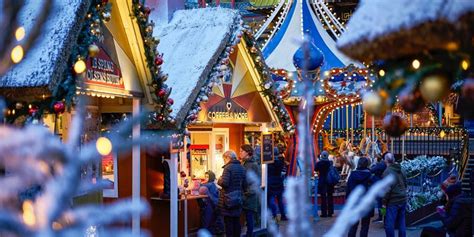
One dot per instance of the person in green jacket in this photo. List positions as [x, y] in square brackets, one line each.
[396, 198]
[250, 206]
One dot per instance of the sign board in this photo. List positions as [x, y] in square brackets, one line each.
[104, 69]
[267, 155]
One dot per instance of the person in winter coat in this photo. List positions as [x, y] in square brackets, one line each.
[210, 215]
[458, 215]
[234, 183]
[360, 176]
[250, 206]
[324, 188]
[377, 170]
[396, 198]
[275, 185]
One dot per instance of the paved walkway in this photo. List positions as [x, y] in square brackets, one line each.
[376, 229]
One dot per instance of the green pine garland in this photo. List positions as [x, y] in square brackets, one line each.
[160, 118]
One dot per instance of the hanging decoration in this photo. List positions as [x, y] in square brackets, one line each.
[394, 125]
[160, 117]
[99, 12]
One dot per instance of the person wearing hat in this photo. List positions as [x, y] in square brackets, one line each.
[325, 189]
[275, 185]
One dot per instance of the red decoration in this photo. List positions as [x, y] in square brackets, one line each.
[32, 110]
[170, 101]
[147, 11]
[394, 125]
[59, 107]
[161, 93]
[182, 174]
[158, 60]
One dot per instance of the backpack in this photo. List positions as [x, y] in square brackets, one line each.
[333, 176]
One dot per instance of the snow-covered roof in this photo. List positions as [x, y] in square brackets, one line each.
[374, 19]
[191, 44]
[45, 62]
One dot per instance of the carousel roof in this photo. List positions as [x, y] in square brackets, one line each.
[191, 44]
[385, 29]
[44, 64]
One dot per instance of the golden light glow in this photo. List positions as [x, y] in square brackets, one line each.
[28, 213]
[104, 146]
[20, 33]
[79, 66]
[381, 73]
[465, 64]
[415, 64]
[17, 54]
[442, 134]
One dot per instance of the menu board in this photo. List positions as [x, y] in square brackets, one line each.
[267, 149]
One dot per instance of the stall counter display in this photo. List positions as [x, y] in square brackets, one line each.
[199, 160]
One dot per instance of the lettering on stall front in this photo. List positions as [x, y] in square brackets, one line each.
[102, 70]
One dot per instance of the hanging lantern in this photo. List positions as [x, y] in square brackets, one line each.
[59, 107]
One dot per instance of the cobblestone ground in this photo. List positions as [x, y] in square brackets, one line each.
[376, 229]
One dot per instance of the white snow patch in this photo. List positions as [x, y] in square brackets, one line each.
[188, 43]
[375, 18]
[39, 63]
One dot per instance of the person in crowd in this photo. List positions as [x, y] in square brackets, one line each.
[360, 176]
[377, 170]
[325, 189]
[250, 205]
[211, 218]
[396, 198]
[275, 185]
[456, 215]
[234, 183]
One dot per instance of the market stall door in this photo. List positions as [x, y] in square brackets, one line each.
[220, 144]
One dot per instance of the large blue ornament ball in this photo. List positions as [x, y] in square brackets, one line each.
[316, 58]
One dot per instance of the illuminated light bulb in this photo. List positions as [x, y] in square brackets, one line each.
[103, 146]
[17, 54]
[79, 66]
[465, 64]
[28, 213]
[415, 64]
[382, 73]
[20, 33]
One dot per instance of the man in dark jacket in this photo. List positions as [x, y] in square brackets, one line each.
[250, 205]
[396, 198]
[234, 183]
[360, 176]
[275, 185]
[324, 188]
[377, 170]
